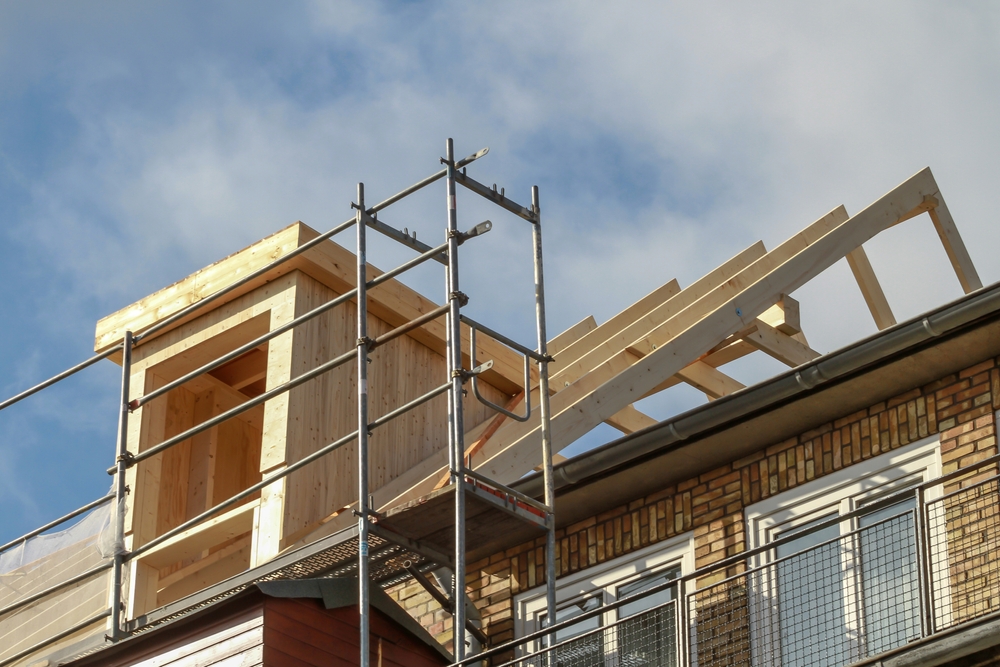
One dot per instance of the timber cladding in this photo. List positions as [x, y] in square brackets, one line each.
[958, 407]
[254, 629]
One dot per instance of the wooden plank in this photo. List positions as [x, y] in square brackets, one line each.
[422, 478]
[220, 570]
[202, 563]
[733, 315]
[151, 309]
[571, 335]
[953, 244]
[192, 542]
[871, 290]
[712, 381]
[629, 420]
[783, 348]
[618, 322]
[249, 631]
[244, 370]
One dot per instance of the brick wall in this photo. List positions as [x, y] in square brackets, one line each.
[959, 407]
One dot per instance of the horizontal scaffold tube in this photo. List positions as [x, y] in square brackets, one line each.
[56, 522]
[61, 376]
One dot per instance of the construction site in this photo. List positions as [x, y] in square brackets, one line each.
[317, 465]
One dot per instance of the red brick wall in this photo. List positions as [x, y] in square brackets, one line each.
[959, 407]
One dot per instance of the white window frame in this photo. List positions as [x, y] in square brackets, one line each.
[837, 493]
[604, 579]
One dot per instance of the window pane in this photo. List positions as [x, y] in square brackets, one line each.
[810, 601]
[585, 652]
[648, 637]
[889, 580]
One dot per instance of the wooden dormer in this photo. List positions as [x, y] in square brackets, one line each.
[180, 483]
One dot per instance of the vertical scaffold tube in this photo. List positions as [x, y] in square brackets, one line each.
[543, 405]
[455, 422]
[363, 509]
[121, 462]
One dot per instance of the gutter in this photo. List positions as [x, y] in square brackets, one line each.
[789, 386]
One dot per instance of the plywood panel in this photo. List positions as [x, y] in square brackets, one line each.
[325, 409]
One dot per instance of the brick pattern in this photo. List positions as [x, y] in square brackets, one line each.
[959, 407]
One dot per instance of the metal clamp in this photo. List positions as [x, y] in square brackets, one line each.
[465, 375]
[485, 401]
[461, 297]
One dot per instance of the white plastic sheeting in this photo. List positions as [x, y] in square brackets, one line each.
[45, 561]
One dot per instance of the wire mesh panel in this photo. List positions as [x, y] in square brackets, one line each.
[849, 585]
[964, 531]
[824, 600]
[647, 638]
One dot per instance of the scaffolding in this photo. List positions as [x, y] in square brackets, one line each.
[463, 479]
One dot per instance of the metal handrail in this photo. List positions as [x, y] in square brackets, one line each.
[487, 402]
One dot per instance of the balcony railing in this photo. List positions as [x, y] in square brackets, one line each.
[845, 589]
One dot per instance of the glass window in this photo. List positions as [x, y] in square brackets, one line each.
[846, 585]
[639, 632]
[647, 634]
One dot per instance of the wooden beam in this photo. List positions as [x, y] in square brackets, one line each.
[572, 392]
[571, 335]
[567, 373]
[192, 542]
[616, 324]
[783, 316]
[757, 271]
[953, 244]
[871, 290]
[712, 381]
[245, 370]
[202, 563]
[782, 347]
[734, 314]
[628, 420]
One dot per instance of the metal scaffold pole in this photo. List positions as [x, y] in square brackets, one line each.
[543, 404]
[121, 463]
[363, 509]
[455, 422]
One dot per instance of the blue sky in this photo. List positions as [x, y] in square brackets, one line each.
[140, 142]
